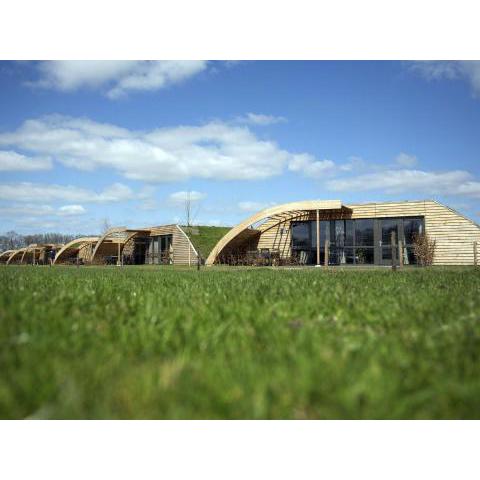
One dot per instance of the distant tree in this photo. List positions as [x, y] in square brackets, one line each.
[11, 240]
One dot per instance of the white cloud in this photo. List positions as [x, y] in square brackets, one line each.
[179, 198]
[13, 161]
[260, 119]
[309, 166]
[354, 163]
[215, 150]
[249, 206]
[34, 210]
[450, 70]
[69, 210]
[115, 78]
[34, 192]
[16, 210]
[455, 182]
[405, 160]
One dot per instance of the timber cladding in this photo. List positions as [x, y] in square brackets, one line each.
[183, 251]
[453, 233]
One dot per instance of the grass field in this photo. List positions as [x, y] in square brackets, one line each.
[159, 342]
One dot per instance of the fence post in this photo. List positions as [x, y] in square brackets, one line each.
[394, 250]
[475, 254]
[327, 249]
[400, 254]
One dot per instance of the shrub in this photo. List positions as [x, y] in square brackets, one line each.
[423, 249]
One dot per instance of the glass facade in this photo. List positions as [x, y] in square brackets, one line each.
[365, 241]
[159, 249]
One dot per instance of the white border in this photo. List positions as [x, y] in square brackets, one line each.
[250, 29]
[239, 450]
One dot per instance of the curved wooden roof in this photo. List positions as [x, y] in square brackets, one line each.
[109, 232]
[4, 255]
[77, 243]
[15, 253]
[282, 212]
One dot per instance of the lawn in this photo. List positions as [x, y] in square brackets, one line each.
[161, 342]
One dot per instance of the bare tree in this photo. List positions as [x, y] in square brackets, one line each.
[192, 208]
[11, 240]
[106, 225]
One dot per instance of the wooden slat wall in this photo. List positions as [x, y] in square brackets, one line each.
[453, 233]
[181, 244]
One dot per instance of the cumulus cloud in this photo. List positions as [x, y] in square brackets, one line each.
[405, 160]
[450, 70]
[35, 210]
[310, 167]
[35, 192]
[260, 119]
[13, 161]
[215, 150]
[249, 206]
[115, 78]
[455, 182]
[69, 210]
[179, 198]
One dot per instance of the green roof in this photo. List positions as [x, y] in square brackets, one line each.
[205, 238]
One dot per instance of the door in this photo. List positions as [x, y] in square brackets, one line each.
[383, 240]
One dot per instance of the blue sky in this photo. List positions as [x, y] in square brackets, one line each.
[81, 142]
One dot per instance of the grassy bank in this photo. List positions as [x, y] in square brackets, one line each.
[157, 342]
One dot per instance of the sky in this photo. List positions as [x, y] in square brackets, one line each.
[85, 143]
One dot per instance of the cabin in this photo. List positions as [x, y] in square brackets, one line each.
[34, 254]
[159, 245]
[328, 232]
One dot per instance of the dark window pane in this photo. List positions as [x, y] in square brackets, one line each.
[364, 232]
[339, 233]
[411, 227]
[349, 256]
[408, 256]
[387, 253]
[338, 255]
[300, 235]
[388, 226]
[334, 255]
[364, 256]
[324, 232]
[349, 232]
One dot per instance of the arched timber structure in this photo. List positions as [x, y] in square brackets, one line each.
[270, 217]
[353, 233]
[16, 256]
[4, 256]
[164, 244]
[115, 235]
[74, 247]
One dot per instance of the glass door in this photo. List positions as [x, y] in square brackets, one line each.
[383, 240]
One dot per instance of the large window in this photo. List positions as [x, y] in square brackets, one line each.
[361, 241]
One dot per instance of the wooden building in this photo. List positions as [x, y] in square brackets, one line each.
[319, 232]
[34, 254]
[166, 244]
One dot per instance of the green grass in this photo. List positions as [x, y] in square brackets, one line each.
[159, 342]
[205, 238]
